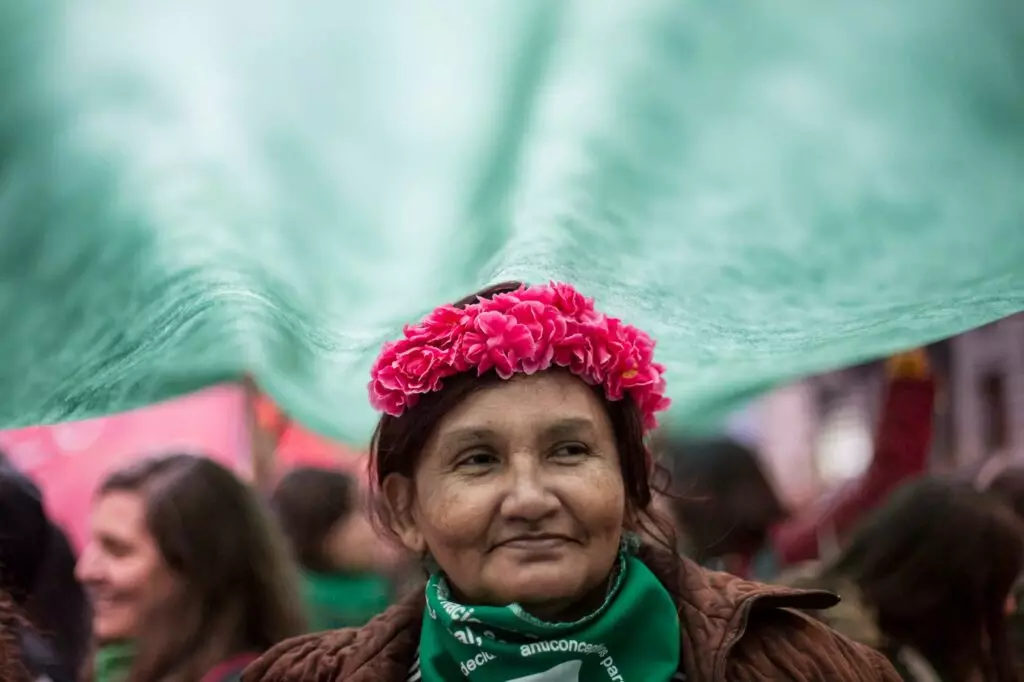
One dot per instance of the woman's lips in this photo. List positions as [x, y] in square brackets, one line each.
[537, 542]
[102, 601]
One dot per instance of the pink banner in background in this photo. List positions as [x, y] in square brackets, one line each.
[68, 460]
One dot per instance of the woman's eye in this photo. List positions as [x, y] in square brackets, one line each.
[118, 550]
[477, 459]
[570, 451]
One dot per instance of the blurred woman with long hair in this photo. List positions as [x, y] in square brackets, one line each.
[188, 577]
[935, 568]
[325, 520]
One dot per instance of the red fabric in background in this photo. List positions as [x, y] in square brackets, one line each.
[69, 460]
[902, 445]
[297, 446]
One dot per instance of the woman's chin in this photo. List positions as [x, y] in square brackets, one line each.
[110, 634]
[561, 580]
[538, 590]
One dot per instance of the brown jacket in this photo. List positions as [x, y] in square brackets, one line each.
[732, 630]
[853, 617]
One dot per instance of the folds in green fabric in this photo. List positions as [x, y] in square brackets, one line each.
[196, 188]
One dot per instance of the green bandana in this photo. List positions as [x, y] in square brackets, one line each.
[633, 637]
[113, 662]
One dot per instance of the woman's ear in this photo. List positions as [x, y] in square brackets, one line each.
[400, 497]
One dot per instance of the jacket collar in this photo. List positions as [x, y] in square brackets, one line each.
[713, 608]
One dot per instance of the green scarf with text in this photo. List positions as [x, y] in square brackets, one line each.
[633, 637]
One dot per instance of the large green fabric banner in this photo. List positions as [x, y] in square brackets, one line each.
[192, 189]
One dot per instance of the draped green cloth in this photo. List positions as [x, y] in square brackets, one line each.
[192, 189]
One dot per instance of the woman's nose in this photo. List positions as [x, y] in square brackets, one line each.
[528, 497]
[86, 570]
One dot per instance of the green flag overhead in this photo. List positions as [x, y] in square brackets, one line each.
[196, 188]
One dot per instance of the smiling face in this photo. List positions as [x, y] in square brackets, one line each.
[518, 495]
[122, 568]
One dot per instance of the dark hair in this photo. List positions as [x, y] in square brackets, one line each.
[937, 563]
[398, 442]
[25, 655]
[12, 667]
[59, 608]
[309, 501]
[23, 525]
[37, 569]
[1008, 486]
[728, 505]
[240, 591]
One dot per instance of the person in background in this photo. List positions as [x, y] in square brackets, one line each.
[31, 563]
[12, 624]
[59, 607]
[731, 517]
[324, 518]
[934, 569]
[724, 506]
[511, 458]
[188, 576]
[1003, 479]
[25, 656]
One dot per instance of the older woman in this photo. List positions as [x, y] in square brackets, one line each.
[511, 457]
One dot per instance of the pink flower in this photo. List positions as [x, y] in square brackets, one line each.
[588, 350]
[504, 343]
[635, 381]
[546, 326]
[468, 350]
[649, 403]
[543, 294]
[527, 331]
[577, 354]
[440, 328]
[405, 370]
[501, 303]
[418, 369]
[637, 344]
[570, 301]
[390, 402]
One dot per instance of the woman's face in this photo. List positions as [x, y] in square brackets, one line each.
[122, 568]
[518, 495]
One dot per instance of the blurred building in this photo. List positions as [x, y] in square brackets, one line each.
[819, 432]
[986, 415]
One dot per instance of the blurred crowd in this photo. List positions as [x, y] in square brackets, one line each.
[190, 573]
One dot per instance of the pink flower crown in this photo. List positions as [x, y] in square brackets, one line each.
[528, 330]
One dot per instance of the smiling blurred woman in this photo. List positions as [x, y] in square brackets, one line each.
[189, 580]
[511, 457]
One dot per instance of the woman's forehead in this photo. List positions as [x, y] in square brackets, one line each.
[120, 514]
[547, 402]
